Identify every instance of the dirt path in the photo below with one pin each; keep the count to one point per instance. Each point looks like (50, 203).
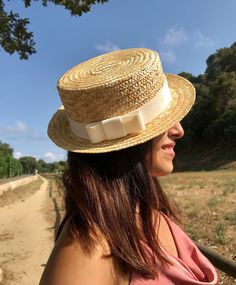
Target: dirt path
(26, 239)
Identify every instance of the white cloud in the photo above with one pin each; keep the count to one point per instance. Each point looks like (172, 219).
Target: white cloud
(17, 128)
(20, 130)
(51, 157)
(47, 156)
(168, 57)
(174, 36)
(17, 154)
(107, 46)
(202, 41)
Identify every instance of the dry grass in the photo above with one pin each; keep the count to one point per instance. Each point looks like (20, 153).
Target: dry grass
(54, 210)
(6, 180)
(20, 193)
(207, 201)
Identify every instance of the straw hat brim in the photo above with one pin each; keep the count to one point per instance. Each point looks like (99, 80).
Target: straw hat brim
(183, 98)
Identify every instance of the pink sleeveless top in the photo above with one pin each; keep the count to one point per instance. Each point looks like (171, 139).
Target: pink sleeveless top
(191, 267)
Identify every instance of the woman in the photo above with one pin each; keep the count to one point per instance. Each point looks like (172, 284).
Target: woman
(119, 122)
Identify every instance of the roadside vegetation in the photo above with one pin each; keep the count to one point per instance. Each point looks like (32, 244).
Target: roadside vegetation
(20, 193)
(11, 167)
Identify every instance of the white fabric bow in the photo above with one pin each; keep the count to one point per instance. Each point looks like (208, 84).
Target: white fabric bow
(120, 126)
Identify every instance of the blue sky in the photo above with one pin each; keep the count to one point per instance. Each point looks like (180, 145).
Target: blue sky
(184, 33)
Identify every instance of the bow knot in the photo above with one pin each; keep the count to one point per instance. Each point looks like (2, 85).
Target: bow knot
(116, 127)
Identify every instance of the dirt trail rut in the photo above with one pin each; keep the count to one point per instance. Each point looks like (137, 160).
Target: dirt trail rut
(26, 239)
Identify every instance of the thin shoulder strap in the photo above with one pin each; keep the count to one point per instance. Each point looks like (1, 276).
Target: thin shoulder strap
(59, 230)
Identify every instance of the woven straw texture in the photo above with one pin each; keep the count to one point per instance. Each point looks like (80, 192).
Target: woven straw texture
(111, 85)
(122, 81)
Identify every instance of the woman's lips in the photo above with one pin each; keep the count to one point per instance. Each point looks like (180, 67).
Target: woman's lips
(169, 149)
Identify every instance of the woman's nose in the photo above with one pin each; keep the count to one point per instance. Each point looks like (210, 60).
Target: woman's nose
(176, 131)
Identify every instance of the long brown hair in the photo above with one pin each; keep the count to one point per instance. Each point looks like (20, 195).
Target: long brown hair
(103, 193)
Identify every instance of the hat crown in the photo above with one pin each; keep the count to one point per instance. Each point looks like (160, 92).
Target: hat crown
(111, 85)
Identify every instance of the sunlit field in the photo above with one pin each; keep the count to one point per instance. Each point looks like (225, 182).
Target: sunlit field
(207, 201)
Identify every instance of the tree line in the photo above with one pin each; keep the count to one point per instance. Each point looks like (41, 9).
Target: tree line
(212, 120)
(10, 166)
(210, 127)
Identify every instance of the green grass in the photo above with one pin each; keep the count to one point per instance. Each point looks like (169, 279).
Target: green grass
(231, 217)
(220, 233)
(214, 201)
(191, 232)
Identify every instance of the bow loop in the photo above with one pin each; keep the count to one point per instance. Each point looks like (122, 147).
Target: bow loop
(116, 127)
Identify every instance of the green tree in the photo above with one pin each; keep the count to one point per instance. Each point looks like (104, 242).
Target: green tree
(42, 166)
(223, 88)
(200, 79)
(29, 164)
(223, 128)
(14, 167)
(14, 34)
(5, 149)
(212, 118)
(188, 76)
(9, 166)
(17, 168)
(221, 61)
(59, 166)
(6, 152)
(3, 166)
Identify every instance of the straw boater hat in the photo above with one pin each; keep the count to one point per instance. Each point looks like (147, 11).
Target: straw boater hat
(118, 100)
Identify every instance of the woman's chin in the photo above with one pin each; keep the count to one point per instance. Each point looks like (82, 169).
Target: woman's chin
(163, 171)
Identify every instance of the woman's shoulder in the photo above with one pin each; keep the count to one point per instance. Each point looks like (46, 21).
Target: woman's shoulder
(70, 264)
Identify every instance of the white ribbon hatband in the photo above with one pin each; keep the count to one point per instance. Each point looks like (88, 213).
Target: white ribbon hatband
(120, 126)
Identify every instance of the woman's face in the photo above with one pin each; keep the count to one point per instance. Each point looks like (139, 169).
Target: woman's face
(162, 154)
